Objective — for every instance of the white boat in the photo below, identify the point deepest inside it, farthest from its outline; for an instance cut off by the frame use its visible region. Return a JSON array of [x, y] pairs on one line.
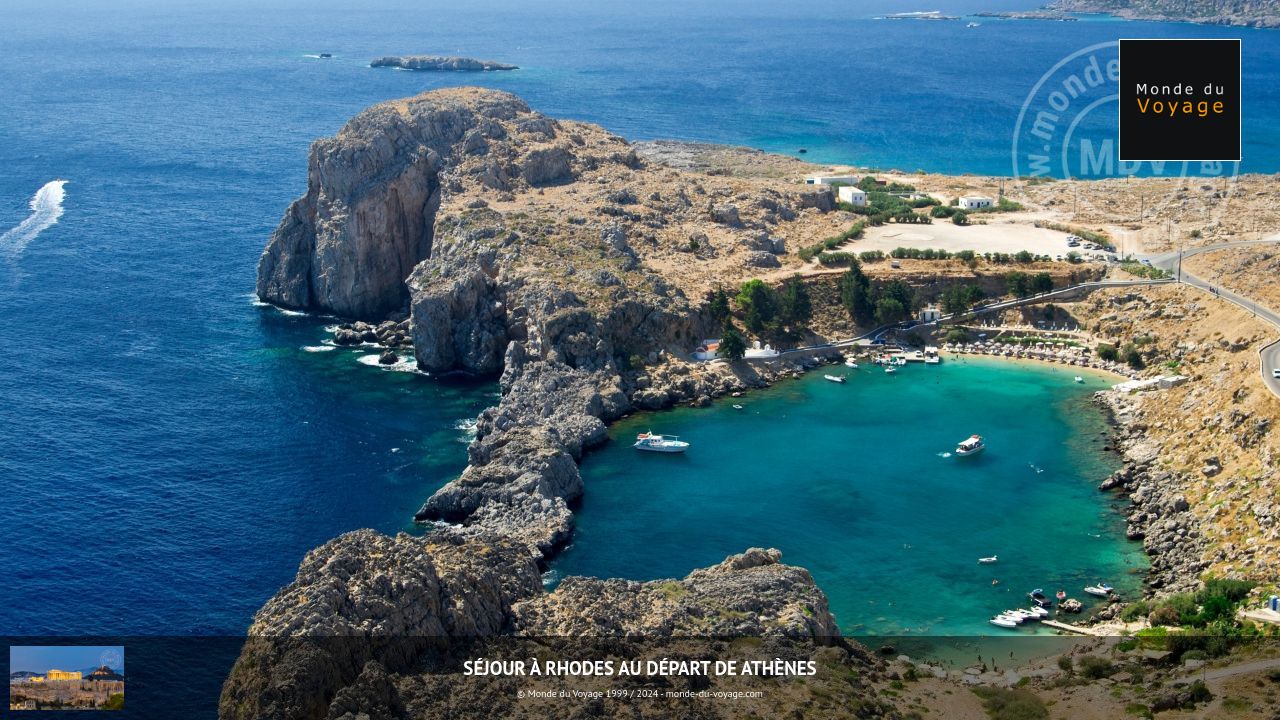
[[1039, 611], [988, 560], [890, 370], [834, 378], [972, 24], [1024, 614], [660, 443], [1079, 379], [1101, 590], [737, 407], [849, 363], [970, 446], [1002, 621], [1013, 615]]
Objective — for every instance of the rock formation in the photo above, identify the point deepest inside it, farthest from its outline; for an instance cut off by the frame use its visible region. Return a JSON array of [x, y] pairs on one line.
[[367, 219], [375, 626], [439, 63]]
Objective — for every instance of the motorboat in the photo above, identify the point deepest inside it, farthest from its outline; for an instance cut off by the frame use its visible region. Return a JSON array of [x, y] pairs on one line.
[[834, 378], [1039, 612], [1062, 595], [890, 370], [970, 446], [1101, 590], [988, 560], [1039, 598], [737, 407], [1024, 614], [849, 363], [1003, 621], [1079, 379], [660, 443]]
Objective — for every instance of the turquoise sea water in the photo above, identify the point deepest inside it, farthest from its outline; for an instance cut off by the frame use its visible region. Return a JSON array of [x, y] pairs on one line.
[[854, 483], [169, 452]]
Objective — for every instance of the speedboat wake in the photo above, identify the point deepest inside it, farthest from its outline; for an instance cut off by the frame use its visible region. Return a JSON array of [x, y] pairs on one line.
[[46, 208]]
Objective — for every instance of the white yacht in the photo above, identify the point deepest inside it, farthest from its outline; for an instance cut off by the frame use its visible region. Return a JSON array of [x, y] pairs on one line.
[[1101, 590], [971, 446], [834, 378], [1004, 621], [660, 443]]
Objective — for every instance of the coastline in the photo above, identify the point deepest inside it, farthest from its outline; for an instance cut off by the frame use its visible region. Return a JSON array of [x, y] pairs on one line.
[[581, 332]]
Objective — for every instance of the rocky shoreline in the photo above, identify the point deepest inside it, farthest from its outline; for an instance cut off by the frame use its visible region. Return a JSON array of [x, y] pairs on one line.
[[1159, 515]]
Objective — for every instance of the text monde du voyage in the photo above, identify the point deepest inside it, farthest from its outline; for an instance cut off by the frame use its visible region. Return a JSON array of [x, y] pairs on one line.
[[1180, 99]]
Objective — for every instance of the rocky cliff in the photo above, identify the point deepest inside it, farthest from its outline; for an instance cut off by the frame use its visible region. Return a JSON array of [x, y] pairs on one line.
[[367, 218]]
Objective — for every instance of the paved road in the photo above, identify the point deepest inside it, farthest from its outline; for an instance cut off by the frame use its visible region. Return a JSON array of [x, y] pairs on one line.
[[1233, 670], [1269, 354]]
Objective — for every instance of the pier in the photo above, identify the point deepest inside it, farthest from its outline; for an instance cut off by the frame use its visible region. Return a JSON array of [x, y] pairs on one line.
[[1067, 627]]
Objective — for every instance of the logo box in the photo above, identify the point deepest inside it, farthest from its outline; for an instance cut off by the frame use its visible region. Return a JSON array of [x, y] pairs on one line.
[[1180, 100]]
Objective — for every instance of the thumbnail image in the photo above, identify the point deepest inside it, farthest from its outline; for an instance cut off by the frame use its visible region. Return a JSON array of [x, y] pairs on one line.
[[66, 677]]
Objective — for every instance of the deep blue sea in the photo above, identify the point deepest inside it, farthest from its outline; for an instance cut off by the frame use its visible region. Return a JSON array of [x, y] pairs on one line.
[[169, 450]]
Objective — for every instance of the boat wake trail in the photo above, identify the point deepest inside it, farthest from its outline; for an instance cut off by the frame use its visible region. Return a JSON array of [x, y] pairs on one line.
[[46, 208]]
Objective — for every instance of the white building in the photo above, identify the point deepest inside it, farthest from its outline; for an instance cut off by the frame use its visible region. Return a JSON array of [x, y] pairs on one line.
[[930, 313], [852, 195], [975, 202], [708, 350], [831, 179], [757, 351]]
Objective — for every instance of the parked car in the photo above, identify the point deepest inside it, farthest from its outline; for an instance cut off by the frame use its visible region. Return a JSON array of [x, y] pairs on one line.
[[1275, 373]]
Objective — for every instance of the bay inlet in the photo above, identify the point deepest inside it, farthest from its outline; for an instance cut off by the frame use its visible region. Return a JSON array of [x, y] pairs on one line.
[[858, 483]]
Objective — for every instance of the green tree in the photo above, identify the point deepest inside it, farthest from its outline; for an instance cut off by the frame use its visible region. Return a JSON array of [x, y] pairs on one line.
[[1019, 283], [114, 702], [899, 291], [718, 304], [732, 344], [1107, 352], [759, 304], [890, 310], [795, 304], [960, 218], [855, 294], [1041, 282], [959, 298], [1024, 257], [953, 300]]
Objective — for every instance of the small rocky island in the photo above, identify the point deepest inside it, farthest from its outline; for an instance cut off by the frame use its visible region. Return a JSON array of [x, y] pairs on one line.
[[439, 63]]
